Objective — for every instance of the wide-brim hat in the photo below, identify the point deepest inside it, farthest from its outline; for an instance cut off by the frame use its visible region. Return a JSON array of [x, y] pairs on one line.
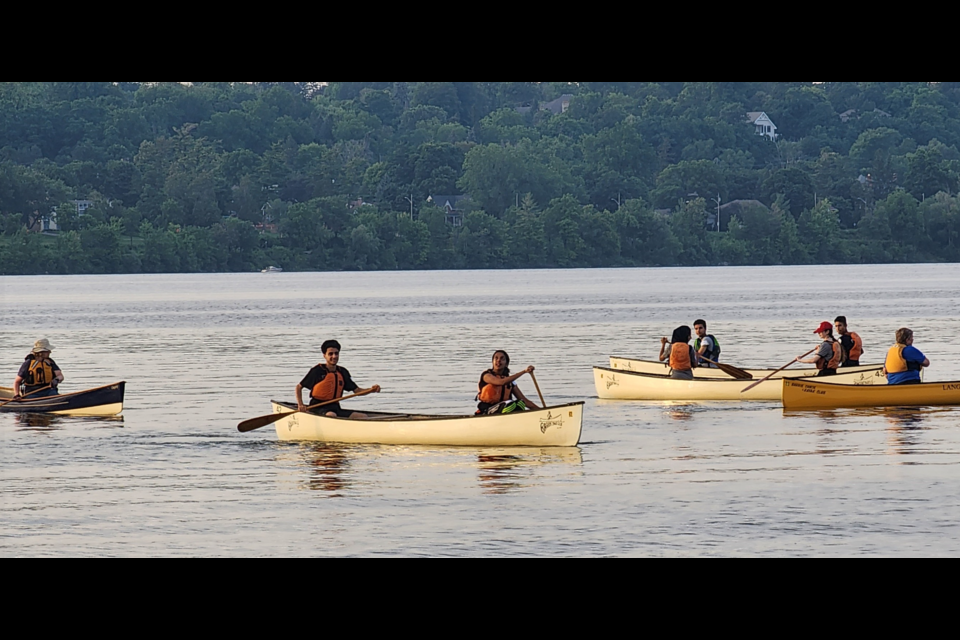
[[42, 345]]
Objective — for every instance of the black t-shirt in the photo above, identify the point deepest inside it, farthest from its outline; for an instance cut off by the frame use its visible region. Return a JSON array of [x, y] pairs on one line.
[[319, 373], [848, 345]]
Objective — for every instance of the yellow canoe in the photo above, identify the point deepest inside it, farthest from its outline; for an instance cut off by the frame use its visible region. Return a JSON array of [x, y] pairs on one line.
[[615, 384], [663, 369], [808, 394]]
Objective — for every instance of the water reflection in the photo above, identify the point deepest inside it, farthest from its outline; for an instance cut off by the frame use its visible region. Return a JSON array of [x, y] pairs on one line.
[[504, 471], [328, 465], [38, 421]]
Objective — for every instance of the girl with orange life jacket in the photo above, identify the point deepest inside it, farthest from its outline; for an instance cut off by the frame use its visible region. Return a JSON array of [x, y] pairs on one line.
[[679, 353], [829, 356], [497, 389], [328, 381]]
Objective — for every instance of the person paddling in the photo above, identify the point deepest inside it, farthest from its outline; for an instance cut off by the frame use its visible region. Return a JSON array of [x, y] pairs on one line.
[[37, 372], [904, 361], [852, 343], [678, 352], [705, 345], [498, 391], [327, 381], [829, 356]]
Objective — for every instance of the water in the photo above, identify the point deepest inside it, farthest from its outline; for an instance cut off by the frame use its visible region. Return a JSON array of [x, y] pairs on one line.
[[201, 353]]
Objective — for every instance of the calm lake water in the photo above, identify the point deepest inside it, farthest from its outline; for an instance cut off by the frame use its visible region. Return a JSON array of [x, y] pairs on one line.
[[201, 353]]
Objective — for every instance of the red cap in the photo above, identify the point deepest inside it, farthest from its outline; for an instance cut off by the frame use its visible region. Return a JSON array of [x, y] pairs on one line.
[[826, 326]]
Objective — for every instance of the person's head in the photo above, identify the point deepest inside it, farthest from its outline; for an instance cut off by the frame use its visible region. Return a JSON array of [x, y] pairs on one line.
[[700, 326], [825, 331], [841, 325], [331, 352], [42, 349], [681, 336], [501, 362], [905, 337]]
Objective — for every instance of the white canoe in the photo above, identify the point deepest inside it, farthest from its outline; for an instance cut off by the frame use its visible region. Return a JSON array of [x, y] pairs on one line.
[[552, 427], [663, 369], [614, 384]]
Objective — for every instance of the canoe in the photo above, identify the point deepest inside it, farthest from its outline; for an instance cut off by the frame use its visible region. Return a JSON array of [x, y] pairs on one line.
[[613, 384], [811, 394], [553, 427], [663, 369], [102, 402]]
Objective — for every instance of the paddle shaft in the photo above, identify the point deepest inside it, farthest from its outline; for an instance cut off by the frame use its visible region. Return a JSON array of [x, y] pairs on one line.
[[26, 396], [734, 372], [543, 403], [784, 367], [264, 421]]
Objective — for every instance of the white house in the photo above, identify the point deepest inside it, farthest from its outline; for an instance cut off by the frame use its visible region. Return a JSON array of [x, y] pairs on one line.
[[763, 123]]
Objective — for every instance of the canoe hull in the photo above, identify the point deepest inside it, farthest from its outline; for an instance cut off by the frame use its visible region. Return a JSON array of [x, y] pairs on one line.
[[662, 369], [103, 402], [615, 384], [553, 427], [803, 395]]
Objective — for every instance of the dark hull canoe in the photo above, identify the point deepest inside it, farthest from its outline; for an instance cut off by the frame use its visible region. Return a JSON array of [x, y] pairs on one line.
[[103, 402]]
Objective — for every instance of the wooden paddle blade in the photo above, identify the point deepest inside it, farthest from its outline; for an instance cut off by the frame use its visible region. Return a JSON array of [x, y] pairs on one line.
[[261, 422], [733, 372]]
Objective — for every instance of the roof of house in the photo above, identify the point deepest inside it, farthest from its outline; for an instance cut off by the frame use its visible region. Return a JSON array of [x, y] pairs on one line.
[[741, 204], [556, 106], [451, 201]]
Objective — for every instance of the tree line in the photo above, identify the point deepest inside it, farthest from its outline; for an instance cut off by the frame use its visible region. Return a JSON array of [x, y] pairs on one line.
[[207, 177]]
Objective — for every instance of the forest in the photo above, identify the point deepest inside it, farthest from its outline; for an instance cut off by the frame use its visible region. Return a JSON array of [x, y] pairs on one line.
[[130, 177]]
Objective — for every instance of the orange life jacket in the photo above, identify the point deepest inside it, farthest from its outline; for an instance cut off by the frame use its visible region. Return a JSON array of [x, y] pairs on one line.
[[40, 373], [491, 393], [680, 357], [896, 363], [835, 361], [330, 388], [857, 352]]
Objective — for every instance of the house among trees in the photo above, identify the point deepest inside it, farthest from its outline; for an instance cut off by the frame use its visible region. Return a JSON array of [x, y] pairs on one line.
[[451, 204], [763, 123], [558, 106]]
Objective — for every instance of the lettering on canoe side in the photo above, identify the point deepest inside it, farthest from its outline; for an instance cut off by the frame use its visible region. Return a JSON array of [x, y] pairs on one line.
[[627, 367], [951, 387], [550, 421], [612, 382], [293, 423]]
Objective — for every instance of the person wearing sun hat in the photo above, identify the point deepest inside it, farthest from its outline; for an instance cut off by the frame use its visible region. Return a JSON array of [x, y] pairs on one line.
[[829, 356], [39, 375]]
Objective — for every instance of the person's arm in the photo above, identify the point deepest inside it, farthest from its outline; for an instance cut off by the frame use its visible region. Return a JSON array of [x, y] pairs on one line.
[[519, 395], [16, 387], [663, 349], [300, 405], [502, 382]]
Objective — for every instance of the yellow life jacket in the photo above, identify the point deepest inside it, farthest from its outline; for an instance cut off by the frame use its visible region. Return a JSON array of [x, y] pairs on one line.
[[836, 360], [40, 373], [680, 357], [896, 363], [330, 388], [491, 393]]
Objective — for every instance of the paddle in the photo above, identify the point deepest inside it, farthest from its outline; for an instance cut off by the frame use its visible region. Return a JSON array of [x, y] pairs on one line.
[[263, 421], [786, 366], [543, 403], [26, 396], [733, 372]]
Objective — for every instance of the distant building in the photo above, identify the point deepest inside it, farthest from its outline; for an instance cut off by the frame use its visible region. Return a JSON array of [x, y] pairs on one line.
[[558, 106], [763, 124], [451, 204], [848, 115]]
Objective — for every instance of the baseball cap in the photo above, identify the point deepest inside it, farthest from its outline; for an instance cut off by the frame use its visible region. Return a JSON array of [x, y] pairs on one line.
[[826, 326]]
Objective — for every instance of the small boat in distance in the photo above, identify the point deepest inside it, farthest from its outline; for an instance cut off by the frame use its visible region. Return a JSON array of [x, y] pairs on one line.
[[272, 270], [104, 402], [551, 427]]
